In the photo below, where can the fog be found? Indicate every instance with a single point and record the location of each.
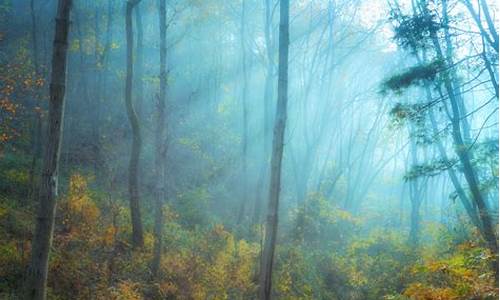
(391, 140)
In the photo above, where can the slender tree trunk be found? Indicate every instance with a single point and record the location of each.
(104, 62)
(160, 143)
(266, 268)
(415, 200)
(268, 95)
(98, 87)
(138, 80)
(244, 95)
(137, 231)
(36, 281)
(37, 122)
(84, 86)
(414, 216)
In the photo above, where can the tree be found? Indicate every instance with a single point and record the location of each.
(37, 122)
(37, 274)
(266, 268)
(489, 36)
(244, 96)
(415, 194)
(268, 95)
(461, 148)
(423, 31)
(139, 63)
(133, 186)
(160, 141)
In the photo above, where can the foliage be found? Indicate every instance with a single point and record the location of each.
(193, 204)
(414, 31)
(14, 174)
(320, 223)
(19, 97)
(414, 76)
(324, 249)
(92, 257)
(461, 275)
(432, 168)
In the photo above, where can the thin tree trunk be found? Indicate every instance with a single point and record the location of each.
(104, 62)
(244, 95)
(37, 122)
(98, 87)
(160, 143)
(265, 280)
(268, 91)
(415, 199)
(139, 64)
(36, 281)
(88, 115)
(137, 231)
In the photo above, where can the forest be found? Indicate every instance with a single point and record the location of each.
(249, 149)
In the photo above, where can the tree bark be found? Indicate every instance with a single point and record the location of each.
(244, 104)
(266, 268)
(36, 281)
(37, 122)
(98, 87)
(160, 142)
(415, 198)
(268, 95)
(101, 175)
(137, 231)
(138, 80)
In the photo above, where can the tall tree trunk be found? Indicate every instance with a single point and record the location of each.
(160, 142)
(244, 95)
(37, 118)
(138, 80)
(415, 199)
(36, 281)
(84, 86)
(104, 60)
(266, 268)
(268, 95)
(98, 87)
(137, 231)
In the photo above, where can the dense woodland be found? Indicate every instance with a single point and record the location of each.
(249, 149)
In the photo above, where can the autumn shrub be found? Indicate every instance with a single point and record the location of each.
(14, 175)
(14, 248)
(214, 266)
(321, 224)
(322, 253)
(463, 274)
(381, 263)
(194, 207)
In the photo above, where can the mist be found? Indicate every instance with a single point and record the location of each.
(320, 149)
